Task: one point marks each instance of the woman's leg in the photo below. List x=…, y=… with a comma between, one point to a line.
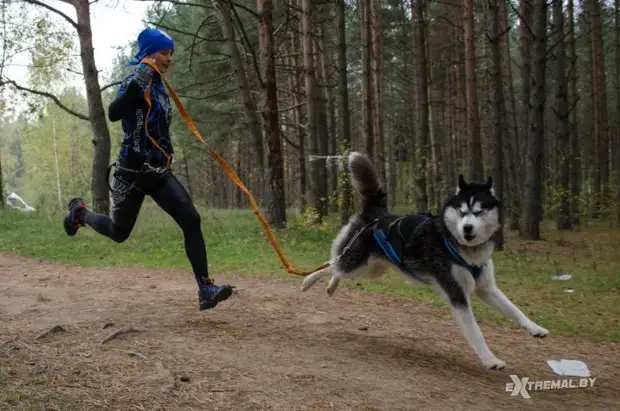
x=126, y=204
x=172, y=197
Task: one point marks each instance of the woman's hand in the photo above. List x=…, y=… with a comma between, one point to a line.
x=144, y=74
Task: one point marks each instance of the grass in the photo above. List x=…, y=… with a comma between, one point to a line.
x=236, y=243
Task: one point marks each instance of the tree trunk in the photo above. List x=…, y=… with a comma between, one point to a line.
x=534, y=159
x=276, y=207
x=512, y=144
x=345, y=142
x=311, y=106
x=525, y=38
x=96, y=113
x=57, y=167
x=601, y=128
x=366, y=53
x=422, y=140
x=575, y=158
x=497, y=93
x=249, y=106
x=377, y=79
x=322, y=121
x=616, y=148
x=564, y=220
x=474, y=147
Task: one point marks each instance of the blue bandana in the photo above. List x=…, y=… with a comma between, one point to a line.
x=151, y=41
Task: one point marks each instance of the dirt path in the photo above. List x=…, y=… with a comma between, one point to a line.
x=270, y=347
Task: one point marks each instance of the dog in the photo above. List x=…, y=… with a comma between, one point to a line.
x=451, y=252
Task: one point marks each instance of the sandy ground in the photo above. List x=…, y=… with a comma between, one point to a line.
x=270, y=347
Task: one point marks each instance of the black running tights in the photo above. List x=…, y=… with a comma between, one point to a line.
x=171, y=196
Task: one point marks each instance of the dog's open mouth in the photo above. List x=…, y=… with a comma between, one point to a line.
x=469, y=237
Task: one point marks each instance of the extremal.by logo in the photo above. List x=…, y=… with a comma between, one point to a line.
x=523, y=385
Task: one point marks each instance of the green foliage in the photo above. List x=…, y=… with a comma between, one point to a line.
x=29, y=164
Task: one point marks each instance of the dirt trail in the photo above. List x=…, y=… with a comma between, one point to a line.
x=270, y=347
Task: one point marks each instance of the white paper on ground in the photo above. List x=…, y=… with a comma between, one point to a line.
x=572, y=368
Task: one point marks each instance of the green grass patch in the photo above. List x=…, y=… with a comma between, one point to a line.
x=237, y=244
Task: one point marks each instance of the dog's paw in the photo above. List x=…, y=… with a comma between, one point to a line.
x=305, y=285
x=494, y=363
x=331, y=287
x=537, y=331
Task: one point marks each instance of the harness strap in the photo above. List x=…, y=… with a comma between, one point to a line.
x=388, y=249
x=475, y=270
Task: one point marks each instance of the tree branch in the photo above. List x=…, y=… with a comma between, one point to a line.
x=187, y=33
x=53, y=10
x=116, y=83
x=48, y=95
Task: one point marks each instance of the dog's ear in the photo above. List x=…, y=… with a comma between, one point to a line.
x=460, y=184
x=490, y=182
x=489, y=185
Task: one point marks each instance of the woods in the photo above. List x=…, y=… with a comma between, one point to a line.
x=525, y=91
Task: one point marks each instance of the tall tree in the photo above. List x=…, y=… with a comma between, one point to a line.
x=497, y=118
x=564, y=220
x=345, y=142
x=532, y=203
x=311, y=105
x=575, y=157
x=474, y=146
x=96, y=113
x=616, y=148
x=422, y=140
x=276, y=206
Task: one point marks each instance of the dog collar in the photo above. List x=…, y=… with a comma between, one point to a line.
x=475, y=270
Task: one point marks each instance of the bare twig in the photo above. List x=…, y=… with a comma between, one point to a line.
x=137, y=354
x=116, y=83
x=54, y=329
x=53, y=10
x=116, y=333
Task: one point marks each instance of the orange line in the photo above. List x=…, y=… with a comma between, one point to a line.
x=231, y=174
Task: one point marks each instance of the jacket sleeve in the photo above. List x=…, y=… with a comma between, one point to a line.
x=131, y=93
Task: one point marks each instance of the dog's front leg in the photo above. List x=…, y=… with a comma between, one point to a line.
x=487, y=291
x=455, y=291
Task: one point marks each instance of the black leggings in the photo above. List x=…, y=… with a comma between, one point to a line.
x=170, y=195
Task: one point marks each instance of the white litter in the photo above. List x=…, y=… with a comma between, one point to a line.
x=13, y=198
x=569, y=290
x=563, y=277
x=569, y=368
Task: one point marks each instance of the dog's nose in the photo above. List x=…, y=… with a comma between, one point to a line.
x=468, y=228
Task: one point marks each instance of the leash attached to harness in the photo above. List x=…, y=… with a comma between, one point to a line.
x=475, y=270
x=229, y=172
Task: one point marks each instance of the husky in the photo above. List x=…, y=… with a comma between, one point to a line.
x=451, y=252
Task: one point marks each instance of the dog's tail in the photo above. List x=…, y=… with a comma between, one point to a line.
x=365, y=180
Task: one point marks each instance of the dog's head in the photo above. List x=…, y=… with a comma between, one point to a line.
x=471, y=214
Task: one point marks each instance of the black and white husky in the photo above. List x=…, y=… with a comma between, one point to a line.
x=450, y=252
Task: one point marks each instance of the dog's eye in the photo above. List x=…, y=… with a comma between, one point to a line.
x=477, y=213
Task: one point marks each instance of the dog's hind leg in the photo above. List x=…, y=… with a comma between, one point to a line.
x=456, y=296
x=311, y=279
x=333, y=284
x=487, y=291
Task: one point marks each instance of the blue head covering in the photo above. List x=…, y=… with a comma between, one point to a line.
x=151, y=41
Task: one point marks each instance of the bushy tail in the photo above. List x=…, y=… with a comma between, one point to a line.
x=365, y=180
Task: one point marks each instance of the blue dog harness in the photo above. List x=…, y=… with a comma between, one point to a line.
x=387, y=248
x=475, y=270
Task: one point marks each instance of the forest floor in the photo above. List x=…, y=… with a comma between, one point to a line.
x=269, y=347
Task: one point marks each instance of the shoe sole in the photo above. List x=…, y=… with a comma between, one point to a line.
x=70, y=229
x=222, y=295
